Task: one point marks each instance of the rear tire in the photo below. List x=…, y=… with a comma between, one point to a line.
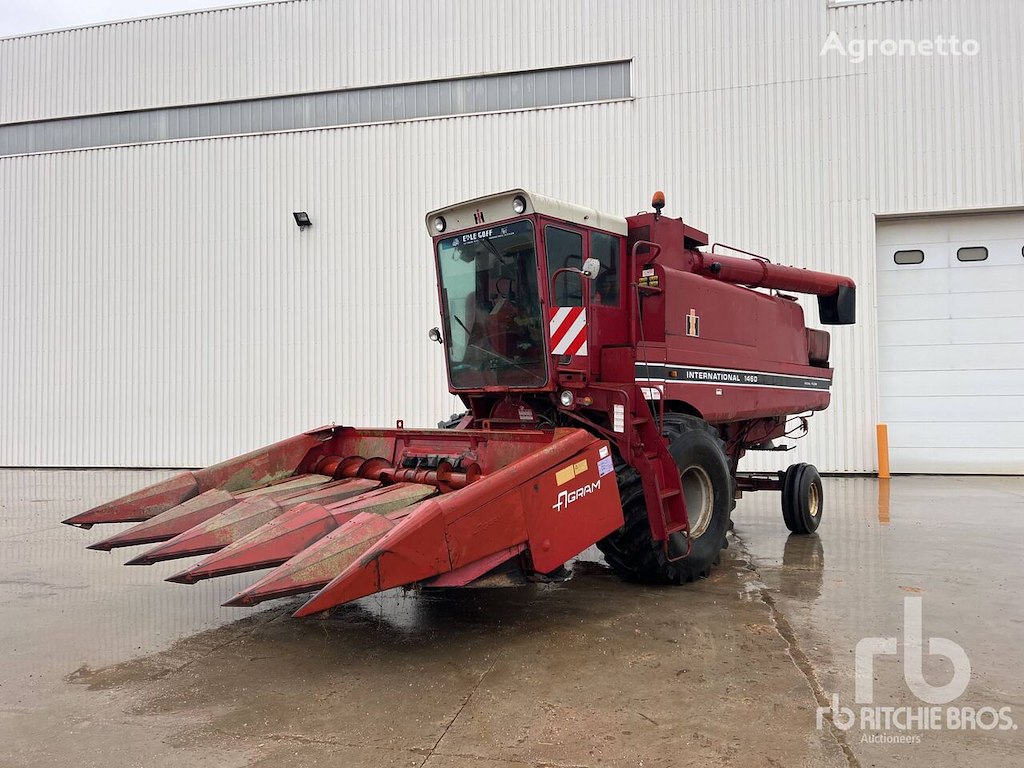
x=708, y=488
x=803, y=500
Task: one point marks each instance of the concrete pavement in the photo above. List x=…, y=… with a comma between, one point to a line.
x=106, y=665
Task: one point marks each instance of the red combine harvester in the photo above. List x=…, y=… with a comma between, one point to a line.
x=615, y=371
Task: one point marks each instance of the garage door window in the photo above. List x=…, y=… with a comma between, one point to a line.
x=909, y=257
x=972, y=254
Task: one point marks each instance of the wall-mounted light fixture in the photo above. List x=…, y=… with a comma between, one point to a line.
x=302, y=219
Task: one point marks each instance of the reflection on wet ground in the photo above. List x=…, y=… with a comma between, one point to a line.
x=107, y=665
x=955, y=542
x=803, y=566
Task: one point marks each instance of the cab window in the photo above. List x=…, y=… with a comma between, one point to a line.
x=605, y=288
x=564, y=249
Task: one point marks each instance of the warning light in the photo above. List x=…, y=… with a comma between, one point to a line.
x=658, y=201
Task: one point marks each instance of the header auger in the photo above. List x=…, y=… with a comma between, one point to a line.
x=614, y=370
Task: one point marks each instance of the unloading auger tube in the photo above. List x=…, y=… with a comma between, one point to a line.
x=614, y=373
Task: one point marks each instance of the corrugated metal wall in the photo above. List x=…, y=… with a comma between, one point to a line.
x=159, y=307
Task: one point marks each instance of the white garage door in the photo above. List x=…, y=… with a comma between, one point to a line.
x=951, y=342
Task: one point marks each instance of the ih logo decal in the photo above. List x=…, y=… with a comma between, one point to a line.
x=567, y=327
x=478, y=216
x=693, y=323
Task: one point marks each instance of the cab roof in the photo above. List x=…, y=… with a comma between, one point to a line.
x=490, y=209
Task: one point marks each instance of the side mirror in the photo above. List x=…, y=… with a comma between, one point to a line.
x=590, y=268
x=435, y=335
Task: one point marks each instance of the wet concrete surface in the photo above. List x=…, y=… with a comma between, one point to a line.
x=107, y=665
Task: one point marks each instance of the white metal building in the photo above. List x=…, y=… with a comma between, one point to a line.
x=160, y=307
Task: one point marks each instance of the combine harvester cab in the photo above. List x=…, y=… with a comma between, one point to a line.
x=615, y=371
x=346, y=513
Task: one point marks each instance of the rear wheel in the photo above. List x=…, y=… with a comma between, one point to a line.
x=802, y=499
x=708, y=490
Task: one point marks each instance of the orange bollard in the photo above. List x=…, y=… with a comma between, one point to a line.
x=882, y=431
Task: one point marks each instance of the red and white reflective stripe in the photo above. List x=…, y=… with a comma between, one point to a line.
x=567, y=327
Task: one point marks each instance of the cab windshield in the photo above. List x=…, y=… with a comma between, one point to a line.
x=491, y=307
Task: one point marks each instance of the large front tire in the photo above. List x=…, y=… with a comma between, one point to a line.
x=708, y=488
